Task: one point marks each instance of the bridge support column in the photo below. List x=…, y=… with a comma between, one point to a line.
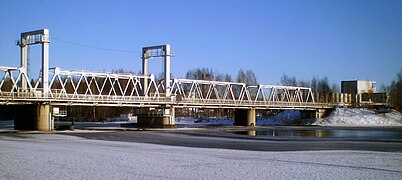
x=33, y=117
x=44, y=120
x=245, y=117
x=164, y=117
x=319, y=113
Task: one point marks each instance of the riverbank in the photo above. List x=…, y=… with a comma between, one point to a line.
x=361, y=117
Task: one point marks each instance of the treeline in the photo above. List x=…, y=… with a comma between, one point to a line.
x=395, y=92
x=321, y=87
x=248, y=77
x=318, y=85
x=94, y=113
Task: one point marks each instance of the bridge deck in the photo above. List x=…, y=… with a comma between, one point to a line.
x=144, y=101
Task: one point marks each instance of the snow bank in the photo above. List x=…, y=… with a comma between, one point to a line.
x=51, y=156
x=361, y=117
x=286, y=117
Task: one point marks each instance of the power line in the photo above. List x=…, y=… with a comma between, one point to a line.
x=94, y=47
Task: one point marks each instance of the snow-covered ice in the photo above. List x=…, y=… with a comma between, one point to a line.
x=361, y=117
x=55, y=156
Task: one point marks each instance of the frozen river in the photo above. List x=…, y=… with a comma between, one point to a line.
x=71, y=156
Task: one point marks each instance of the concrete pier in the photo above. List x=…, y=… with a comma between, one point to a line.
x=320, y=113
x=33, y=117
x=245, y=117
x=44, y=120
x=164, y=117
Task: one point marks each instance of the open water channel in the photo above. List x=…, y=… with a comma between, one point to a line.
x=357, y=133
x=259, y=138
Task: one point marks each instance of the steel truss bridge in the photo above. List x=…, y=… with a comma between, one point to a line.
x=156, y=98
x=81, y=88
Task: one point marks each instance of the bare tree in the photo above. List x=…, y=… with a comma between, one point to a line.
x=241, y=76
x=250, y=78
x=200, y=74
x=395, y=92
x=227, y=78
x=288, y=81
x=247, y=77
x=314, y=85
x=335, y=88
x=303, y=83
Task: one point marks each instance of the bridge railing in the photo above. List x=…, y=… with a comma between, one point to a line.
x=72, y=99
x=80, y=98
x=247, y=103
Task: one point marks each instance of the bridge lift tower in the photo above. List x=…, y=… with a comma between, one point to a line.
x=33, y=38
x=162, y=51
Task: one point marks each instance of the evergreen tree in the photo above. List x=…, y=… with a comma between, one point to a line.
x=395, y=92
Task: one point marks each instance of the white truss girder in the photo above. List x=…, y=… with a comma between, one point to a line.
x=218, y=92
x=82, y=87
x=278, y=93
x=208, y=91
x=16, y=81
x=96, y=86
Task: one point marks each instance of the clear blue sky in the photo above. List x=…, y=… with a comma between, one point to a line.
x=340, y=39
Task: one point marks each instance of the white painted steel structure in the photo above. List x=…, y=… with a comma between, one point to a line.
x=218, y=94
x=162, y=51
x=110, y=89
x=33, y=38
x=64, y=87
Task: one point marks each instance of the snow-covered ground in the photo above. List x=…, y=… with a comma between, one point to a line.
x=285, y=117
x=361, y=117
x=55, y=156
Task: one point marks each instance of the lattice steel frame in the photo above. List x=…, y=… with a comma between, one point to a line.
x=214, y=92
x=95, y=90
x=283, y=94
x=117, y=89
x=9, y=72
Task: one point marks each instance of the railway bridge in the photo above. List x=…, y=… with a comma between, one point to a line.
x=57, y=87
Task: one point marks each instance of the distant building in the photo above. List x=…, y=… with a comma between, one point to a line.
x=365, y=92
x=358, y=87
